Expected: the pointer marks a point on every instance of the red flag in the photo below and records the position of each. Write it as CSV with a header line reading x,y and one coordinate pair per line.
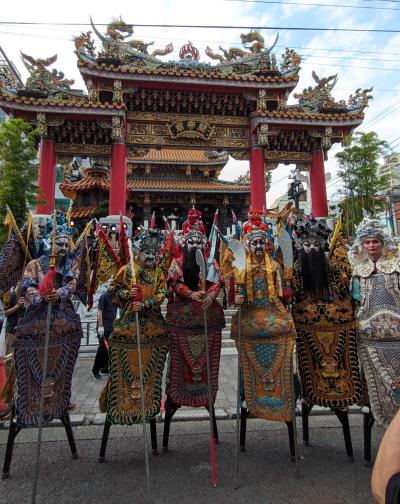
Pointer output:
x,y
153,221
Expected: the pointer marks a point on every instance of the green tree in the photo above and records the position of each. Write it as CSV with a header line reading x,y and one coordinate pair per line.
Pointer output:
x,y
359,164
18,169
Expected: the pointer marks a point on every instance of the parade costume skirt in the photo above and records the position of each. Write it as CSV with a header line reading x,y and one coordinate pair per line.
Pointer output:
x,y
326,337
65,339
267,344
379,351
187,374
121,397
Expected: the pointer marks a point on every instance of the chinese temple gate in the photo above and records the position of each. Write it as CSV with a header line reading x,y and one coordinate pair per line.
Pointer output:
x,y
137,102
165,181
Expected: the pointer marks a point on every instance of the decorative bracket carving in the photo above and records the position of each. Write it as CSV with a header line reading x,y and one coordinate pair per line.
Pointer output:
x,y
41,124
117,91
262,135
117,133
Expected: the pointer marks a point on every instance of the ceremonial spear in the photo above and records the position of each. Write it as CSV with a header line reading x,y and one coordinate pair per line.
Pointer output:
x,y
46,286
138,297
285,244
202,266
239,266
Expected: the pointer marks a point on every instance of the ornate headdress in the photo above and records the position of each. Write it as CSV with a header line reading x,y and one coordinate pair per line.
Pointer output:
x,y
193,226
59,230
371,228
61,227
254,226
316,229
149,239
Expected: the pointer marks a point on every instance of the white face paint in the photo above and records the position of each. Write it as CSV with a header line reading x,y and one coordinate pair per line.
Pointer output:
x,y
311,244
194,242
147,258
61,246
257,246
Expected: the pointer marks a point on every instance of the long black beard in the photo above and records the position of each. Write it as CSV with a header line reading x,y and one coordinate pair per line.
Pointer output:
x,y
315,273
190,269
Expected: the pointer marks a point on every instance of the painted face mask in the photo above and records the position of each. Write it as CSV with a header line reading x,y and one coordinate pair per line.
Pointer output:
x,y
258,246
194,242
61,247
311,244
147,258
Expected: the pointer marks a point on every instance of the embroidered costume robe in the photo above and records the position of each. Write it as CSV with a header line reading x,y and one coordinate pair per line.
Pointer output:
x,y
187,374
326,337
267,341
376,287
65,339
121,397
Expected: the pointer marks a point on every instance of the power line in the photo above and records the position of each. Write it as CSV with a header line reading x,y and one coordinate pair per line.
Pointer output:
x,y
304,62
280,2
352,66
157,37
213,27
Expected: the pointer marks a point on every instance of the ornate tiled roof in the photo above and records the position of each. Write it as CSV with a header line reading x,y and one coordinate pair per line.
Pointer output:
x,y
82,213
204,185
297,113
181,156
209,73
181,185
95,178
71,101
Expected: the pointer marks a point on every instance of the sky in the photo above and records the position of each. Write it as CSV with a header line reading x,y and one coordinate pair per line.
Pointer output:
x,y
361,59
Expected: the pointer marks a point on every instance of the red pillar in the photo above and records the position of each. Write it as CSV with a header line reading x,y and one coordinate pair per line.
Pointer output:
x,y
257,178
117,202
46,177
319,198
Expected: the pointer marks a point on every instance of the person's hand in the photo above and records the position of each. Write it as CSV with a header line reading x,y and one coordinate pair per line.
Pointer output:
x,y
52,296
21,301
239,299
207,302
136,292
197,296
136,306
100,331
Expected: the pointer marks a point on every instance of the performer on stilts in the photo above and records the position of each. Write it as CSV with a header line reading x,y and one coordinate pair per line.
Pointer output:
x,y
376,287
267,332
65,335
121,397
187,373
326,326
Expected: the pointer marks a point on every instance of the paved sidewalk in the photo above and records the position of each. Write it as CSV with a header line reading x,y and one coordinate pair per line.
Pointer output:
x,y
86,390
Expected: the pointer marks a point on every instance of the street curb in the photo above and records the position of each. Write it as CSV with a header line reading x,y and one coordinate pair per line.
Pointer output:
x,y
182,415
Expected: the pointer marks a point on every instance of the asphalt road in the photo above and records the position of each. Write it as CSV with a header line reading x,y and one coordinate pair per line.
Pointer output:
x,y
182,475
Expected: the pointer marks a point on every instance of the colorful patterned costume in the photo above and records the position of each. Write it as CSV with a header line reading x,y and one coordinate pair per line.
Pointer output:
x,y
187,376
377,287
267,343
326,338
65,338
121,396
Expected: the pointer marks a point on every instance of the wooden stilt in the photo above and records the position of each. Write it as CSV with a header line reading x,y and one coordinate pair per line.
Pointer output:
x,y
368,423
12,434
343,417
243,424
66,421
170,409
305,412
106,432
153,435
